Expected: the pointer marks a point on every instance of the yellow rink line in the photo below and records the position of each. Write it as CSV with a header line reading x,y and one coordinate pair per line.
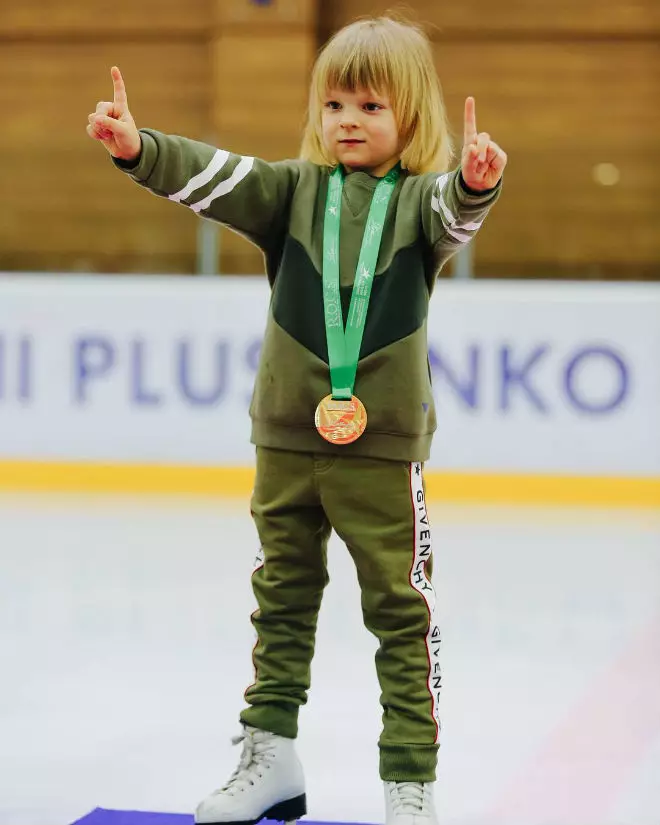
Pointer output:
x,y
495,488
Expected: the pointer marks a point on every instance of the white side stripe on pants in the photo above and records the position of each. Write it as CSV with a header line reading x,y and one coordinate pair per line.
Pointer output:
x,y
419,580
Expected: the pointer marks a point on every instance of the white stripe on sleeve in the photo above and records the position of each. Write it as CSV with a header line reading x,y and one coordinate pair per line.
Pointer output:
x,y
460,236
241,171
205,176
451,224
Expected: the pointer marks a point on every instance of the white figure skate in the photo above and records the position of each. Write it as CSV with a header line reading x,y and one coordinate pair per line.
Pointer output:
x,y
268,783
409,803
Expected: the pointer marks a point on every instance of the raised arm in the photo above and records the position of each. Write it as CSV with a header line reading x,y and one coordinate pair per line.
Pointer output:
x,y
455,204
244,193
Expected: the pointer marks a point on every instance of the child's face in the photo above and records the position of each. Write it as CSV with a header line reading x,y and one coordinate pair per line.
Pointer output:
x,y
360,131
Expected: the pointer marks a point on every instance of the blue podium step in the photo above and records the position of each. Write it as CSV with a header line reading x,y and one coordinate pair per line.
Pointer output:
x,y
103,816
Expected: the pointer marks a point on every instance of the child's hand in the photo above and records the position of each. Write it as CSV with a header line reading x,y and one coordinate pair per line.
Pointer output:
x,y
113,124
482,160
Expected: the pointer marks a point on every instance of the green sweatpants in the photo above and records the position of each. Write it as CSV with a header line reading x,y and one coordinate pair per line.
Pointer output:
x,y
378,509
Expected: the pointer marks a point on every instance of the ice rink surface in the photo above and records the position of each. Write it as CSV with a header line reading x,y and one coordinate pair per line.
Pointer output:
x,y
125,647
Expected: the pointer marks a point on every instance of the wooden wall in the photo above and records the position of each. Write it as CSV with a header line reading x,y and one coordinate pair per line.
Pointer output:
x,y
262,56
218,70
564,86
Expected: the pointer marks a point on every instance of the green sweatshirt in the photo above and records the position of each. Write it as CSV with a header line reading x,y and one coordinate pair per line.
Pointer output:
x,y
280,207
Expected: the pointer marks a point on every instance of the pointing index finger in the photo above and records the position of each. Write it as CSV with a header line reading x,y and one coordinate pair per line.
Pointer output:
x,y
470,127
120,101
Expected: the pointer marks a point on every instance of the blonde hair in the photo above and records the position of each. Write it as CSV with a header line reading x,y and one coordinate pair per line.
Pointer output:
x,y
390,57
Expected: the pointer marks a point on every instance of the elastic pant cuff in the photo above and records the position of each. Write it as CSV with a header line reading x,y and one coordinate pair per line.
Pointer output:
x,y
408,763
279,719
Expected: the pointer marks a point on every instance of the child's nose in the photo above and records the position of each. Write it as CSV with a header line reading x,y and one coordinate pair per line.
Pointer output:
x,y
348,119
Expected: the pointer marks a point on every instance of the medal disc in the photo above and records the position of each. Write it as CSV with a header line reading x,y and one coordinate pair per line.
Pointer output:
x,y
340,421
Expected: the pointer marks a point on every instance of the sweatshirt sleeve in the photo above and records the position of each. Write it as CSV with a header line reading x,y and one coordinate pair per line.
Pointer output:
x,y
452,214
243,193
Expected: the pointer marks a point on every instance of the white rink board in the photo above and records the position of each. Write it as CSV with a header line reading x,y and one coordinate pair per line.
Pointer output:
x,y
533,377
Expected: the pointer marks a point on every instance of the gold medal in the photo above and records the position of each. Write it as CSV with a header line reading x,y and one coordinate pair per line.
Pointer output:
x,y
340,421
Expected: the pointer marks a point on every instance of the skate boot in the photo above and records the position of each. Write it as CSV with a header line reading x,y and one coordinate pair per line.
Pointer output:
x,y
409,803
268,783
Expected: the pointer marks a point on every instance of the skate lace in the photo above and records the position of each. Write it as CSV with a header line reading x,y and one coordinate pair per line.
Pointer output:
x,y
410,798
257,754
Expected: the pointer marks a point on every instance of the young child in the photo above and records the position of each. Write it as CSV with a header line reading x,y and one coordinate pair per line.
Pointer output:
x,y
354,234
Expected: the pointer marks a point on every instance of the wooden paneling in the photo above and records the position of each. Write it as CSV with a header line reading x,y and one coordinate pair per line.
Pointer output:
x,y
260,98
260,93
537,19
279,14
563,87
61,195
56,18
231,73
596,108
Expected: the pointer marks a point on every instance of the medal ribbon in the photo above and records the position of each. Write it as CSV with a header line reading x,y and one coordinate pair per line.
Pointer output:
x,y
344,346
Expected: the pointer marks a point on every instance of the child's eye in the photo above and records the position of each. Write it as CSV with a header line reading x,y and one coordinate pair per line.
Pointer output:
x,y
333,105
372,107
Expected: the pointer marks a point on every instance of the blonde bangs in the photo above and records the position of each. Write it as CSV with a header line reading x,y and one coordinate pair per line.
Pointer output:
x,y
392,58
